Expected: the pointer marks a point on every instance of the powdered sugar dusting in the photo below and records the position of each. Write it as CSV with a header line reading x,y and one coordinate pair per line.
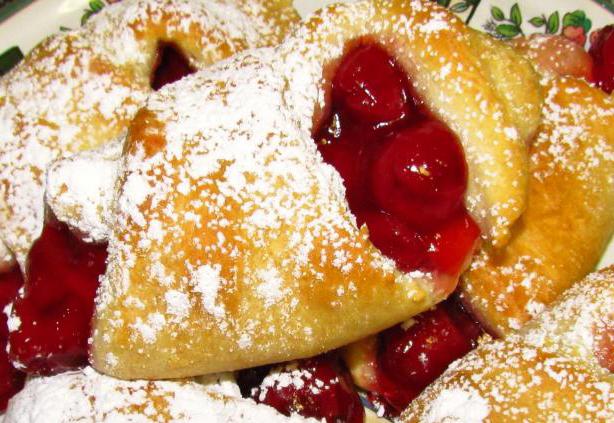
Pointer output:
x,y
80,89
263,201
207,281
80,189
89,396
568,219
551,370
456,405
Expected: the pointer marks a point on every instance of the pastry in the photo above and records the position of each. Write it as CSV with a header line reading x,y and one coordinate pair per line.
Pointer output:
x,y
84,203
557,240
558,367
86,395
568,220
75,91
175,233
80,89
232,244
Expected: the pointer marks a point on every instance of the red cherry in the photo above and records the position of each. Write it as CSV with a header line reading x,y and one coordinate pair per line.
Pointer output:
x,y
602,52
404,179
395,239
453,244
11,379
171,65
346,154
421,175
10,282
369,85
316,387
58,304
414,356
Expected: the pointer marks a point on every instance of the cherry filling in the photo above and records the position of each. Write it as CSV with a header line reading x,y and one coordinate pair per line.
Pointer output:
x,y
404,171
316,387
56,309
11,379
411,356
171,65
602,52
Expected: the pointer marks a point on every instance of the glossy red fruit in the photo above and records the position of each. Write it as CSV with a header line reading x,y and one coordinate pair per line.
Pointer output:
x,y
413,356
10,282
58,304
171,65
11,379
369,85
452,244
421,174
316,387
405,179
602,52
396,240
345,154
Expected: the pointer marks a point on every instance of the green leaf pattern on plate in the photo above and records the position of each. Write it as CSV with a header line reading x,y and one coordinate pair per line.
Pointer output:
x,y
574,25
509,22
9,59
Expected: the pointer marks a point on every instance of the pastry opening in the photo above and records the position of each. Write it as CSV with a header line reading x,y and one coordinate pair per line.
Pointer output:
x,y
405,177
170,65
403,169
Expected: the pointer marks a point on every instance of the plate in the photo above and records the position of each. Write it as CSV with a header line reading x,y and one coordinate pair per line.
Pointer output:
x,y
24,23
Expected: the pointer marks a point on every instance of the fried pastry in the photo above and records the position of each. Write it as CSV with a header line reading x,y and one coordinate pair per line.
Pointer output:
x,y
85,202
232,242
86,395
558,367
558,239
568,221
80,89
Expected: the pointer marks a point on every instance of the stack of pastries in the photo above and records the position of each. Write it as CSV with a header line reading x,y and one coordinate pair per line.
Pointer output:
x,y
227,207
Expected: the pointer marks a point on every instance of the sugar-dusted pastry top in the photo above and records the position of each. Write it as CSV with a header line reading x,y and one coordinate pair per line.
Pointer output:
x,y
86,395
80,89
568,221
556,368
80,187
232,242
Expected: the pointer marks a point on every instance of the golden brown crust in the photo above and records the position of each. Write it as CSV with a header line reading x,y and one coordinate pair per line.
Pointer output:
x,y
496,59
552,370
568,221
80,89
257,284
233,244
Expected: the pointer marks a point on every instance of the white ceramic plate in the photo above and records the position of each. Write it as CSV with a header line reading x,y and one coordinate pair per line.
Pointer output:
x,y
575,19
